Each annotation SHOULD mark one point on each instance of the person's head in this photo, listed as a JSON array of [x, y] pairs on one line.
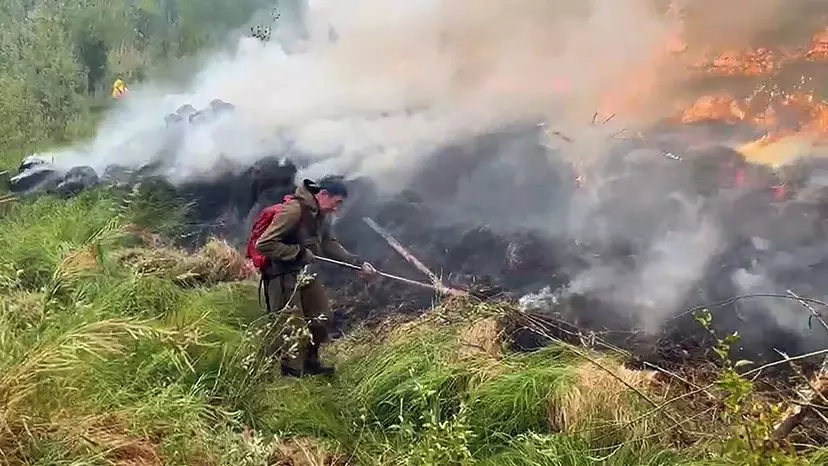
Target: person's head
[[330, 193]]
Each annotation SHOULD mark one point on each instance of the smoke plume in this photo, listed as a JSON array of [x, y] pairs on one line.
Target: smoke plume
[[397, 81], [374, 89], [381, 84]]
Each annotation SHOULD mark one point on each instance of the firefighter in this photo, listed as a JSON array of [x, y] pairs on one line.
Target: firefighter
[[297, 232], [119, 89]]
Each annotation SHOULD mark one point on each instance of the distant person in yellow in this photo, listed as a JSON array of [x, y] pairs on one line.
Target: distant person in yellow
[[119, 89]]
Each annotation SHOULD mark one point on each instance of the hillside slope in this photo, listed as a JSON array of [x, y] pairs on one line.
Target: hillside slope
[[116, 350]]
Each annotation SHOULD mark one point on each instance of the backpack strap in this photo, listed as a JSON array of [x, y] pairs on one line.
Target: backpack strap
[[264, 285], [304, 219]]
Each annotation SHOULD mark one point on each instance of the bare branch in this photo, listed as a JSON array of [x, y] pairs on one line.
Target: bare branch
[[681, 379], [810, 308], [796, 412]]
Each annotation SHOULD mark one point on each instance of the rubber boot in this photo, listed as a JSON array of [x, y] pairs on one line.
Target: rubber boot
[[312, 364], [288, 371]]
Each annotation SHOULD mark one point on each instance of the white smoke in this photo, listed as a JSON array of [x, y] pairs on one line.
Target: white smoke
[[662, 276], [404, 78], [401, 79]]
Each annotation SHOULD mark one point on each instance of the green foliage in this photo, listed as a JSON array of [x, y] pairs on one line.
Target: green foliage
[[21, 127], [60, 58], [412, 400], [82, 338], [517, 401], [37, 235], [751, 419]]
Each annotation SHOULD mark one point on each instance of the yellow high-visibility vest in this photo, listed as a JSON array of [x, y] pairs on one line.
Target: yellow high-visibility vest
[[119, 89]]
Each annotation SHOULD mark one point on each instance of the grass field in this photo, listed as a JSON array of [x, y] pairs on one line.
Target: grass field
[[114, 350]]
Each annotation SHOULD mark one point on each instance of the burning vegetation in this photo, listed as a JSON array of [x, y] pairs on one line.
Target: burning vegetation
[[777, 90]]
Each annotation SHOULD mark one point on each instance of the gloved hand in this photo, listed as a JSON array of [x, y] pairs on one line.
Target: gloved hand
[[306, 256], [368, 269]]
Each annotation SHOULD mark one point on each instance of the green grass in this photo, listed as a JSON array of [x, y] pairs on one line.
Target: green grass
[[100, 363]]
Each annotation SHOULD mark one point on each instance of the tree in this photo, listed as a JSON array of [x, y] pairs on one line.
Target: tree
[[58, 55]]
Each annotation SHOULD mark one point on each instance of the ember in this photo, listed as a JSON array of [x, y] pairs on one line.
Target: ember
[[819, 46], [757, 62], [721, 107]]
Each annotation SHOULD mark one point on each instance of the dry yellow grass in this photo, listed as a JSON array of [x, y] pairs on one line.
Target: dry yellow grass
[[596, 394], [85, 433], [224, 262], [481, 347], [123, 449], [215, 262], [79, 262], [23, 304], [481, 338], [152, 261], [301, 451], [396, 331], [147, 238]]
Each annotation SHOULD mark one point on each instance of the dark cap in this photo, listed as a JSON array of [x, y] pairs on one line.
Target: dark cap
[[334, 185], [311, 186]]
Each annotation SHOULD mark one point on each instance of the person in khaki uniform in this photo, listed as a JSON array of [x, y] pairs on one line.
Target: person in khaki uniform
[[297, 233]]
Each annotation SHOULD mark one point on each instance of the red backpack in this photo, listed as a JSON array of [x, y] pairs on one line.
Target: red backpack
[[259, 227]]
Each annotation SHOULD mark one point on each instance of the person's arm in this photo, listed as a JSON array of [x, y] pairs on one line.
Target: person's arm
[[334, 250], [271, 244]]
